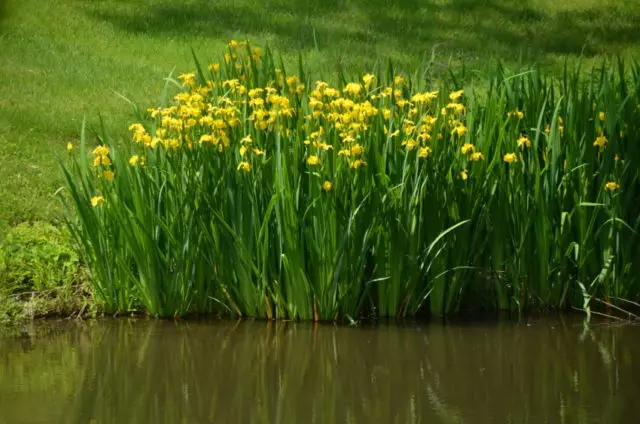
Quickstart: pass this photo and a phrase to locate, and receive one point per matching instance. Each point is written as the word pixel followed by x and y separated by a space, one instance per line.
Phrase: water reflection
pixel 123 371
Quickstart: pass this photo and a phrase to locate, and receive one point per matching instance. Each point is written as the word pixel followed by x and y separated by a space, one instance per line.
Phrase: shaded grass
pixel 61 61
pixel 405 29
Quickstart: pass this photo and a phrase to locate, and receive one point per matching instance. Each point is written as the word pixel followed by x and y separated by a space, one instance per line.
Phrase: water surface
pixel 146 371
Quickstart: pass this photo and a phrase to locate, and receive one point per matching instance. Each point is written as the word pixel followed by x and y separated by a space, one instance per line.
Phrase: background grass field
pixel 61 61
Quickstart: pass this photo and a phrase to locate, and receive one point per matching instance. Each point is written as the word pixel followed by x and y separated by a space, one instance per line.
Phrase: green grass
pixel 61 61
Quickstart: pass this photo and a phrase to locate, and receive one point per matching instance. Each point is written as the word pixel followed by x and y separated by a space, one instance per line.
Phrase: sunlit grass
pixel 62 61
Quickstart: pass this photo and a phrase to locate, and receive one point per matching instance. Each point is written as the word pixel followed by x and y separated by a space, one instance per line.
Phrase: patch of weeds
pixel 11 312
pixel 41 275
pixel 37 256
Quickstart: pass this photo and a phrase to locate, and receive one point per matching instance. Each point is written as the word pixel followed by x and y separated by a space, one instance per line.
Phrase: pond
pixel 536 370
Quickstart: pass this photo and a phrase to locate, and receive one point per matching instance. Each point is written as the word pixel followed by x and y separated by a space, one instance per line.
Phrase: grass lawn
pixel 64 60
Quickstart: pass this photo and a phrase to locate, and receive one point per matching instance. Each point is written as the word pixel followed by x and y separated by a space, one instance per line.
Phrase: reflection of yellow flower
pixel 313 160
pixel 327 185
pixel 476 156
pixel 245 166
pixel 611 186
pixel 510 158
pixel 467 148
pixel 97 201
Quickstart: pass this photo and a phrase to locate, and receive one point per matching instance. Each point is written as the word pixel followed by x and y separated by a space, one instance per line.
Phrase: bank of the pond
pixel 41 274
pixel 63 302
pixel 20 311
pixel 259 191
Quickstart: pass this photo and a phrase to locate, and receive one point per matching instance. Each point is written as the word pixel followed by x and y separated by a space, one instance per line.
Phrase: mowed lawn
pixel 64 60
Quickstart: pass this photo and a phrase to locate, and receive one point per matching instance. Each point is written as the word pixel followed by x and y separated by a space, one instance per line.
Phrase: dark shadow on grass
pixel 3 12
pixel 465 28
pixel 221 19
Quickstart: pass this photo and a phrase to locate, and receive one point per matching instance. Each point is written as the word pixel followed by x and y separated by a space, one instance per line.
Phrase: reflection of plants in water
pixel 271 373
pixel 158 371
pixel 444 412
pixel 549 373
pixel 36 364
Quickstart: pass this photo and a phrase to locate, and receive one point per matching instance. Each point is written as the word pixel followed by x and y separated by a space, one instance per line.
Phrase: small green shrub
pixel 37 256
pixel 11 312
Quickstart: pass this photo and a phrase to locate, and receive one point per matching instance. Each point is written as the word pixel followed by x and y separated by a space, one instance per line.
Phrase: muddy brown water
pixel 550 370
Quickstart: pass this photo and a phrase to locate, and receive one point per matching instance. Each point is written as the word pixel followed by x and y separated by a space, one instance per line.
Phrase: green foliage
pixel 37 256
pixel 221 203
pixel 64 60
pixel 11 312
pixel 41 275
